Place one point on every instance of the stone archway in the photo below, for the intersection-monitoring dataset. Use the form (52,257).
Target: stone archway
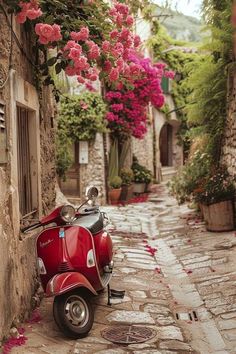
(166,145)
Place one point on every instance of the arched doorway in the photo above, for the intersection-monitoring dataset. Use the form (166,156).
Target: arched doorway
(166,145)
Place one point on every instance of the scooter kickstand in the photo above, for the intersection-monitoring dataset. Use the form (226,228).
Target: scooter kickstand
(109,295)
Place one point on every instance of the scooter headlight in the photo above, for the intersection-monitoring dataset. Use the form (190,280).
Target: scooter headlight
(68,213)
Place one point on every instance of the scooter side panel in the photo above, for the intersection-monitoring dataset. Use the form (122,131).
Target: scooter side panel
(65,282)
(103,247)
(48,247)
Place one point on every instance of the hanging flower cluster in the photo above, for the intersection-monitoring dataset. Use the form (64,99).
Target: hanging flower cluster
(29,10)
(128,107)
(86,55)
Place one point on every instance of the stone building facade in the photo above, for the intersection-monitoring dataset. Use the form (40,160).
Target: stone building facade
(229,142)
(160,150)
(86,172)
(27,172)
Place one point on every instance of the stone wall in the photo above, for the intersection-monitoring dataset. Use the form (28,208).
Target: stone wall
(17,268)
(143,149)
(92,174)
(229,142)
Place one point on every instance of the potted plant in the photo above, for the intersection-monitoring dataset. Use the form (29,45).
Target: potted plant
(215,195)
(127,177)
(139,180)
(114,189)
(142,176)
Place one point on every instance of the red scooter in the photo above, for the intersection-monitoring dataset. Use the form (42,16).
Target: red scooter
(75,262)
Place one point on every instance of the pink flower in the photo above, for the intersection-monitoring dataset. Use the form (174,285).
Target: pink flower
(119,86)
(80,79)
(106,46)
(122,9)
(21,17)
(90,87)
(94,52)
(70,71)
(114,34)
(117,50)
(114,74)
(112,12)
(169,74)
(30,10)
(33,14)
(92,74)
(56,33)
(75,53)
(125,33)
(116,107)
(107,66)
(83,105)
(119,20)
(120,64)
(48,33)
(82,35)
(46,30)
(81,63)
(111,117)
(137,41)
(69,45)
(129,20)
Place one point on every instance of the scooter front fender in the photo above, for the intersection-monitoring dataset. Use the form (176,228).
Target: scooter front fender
(64,282)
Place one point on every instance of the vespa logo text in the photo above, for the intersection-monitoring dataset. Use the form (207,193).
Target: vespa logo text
(46,243)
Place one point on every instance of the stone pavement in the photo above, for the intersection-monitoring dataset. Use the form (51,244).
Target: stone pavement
(179,280)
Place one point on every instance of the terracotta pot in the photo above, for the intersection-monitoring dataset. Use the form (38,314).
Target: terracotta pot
(139,188)
(126,192)
(114,195)
(219,216)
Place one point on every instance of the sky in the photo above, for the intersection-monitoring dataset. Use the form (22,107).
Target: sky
(188,7)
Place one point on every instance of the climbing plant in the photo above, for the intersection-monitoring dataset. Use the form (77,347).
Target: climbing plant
(207,113)
(80,118)
(181,60)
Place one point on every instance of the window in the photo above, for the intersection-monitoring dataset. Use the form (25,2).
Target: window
(166,85)
(3,141)
(25,155)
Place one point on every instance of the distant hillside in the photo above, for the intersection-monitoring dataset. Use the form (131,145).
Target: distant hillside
(179,26)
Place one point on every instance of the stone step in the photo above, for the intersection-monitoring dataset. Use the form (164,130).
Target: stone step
(167,173)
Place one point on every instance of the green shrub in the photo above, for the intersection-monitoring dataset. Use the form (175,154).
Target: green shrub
(127,176)
(115,182)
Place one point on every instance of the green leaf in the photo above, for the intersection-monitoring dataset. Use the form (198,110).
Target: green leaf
(52,61)
(58,68)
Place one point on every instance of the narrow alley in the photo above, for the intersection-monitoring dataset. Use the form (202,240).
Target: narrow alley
(178,281)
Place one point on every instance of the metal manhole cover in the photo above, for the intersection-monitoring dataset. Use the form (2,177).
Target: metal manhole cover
(128,334)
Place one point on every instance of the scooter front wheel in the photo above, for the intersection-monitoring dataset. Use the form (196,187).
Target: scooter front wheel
(73,313)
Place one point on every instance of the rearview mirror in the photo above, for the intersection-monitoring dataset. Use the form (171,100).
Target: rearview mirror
(92,193)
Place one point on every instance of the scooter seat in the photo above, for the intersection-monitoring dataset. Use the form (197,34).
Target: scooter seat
(92,222)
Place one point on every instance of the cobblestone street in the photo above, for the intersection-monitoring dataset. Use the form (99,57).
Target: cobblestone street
(179,280)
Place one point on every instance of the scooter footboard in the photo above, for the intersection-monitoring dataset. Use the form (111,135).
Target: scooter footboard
(62,283)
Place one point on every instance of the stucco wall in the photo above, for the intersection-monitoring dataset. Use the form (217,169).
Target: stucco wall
(17,266)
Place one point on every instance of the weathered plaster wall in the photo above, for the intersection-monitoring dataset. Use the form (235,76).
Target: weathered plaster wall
(47,145)
(17,266)
(229,142)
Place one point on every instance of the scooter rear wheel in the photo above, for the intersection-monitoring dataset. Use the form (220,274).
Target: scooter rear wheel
(73,313)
